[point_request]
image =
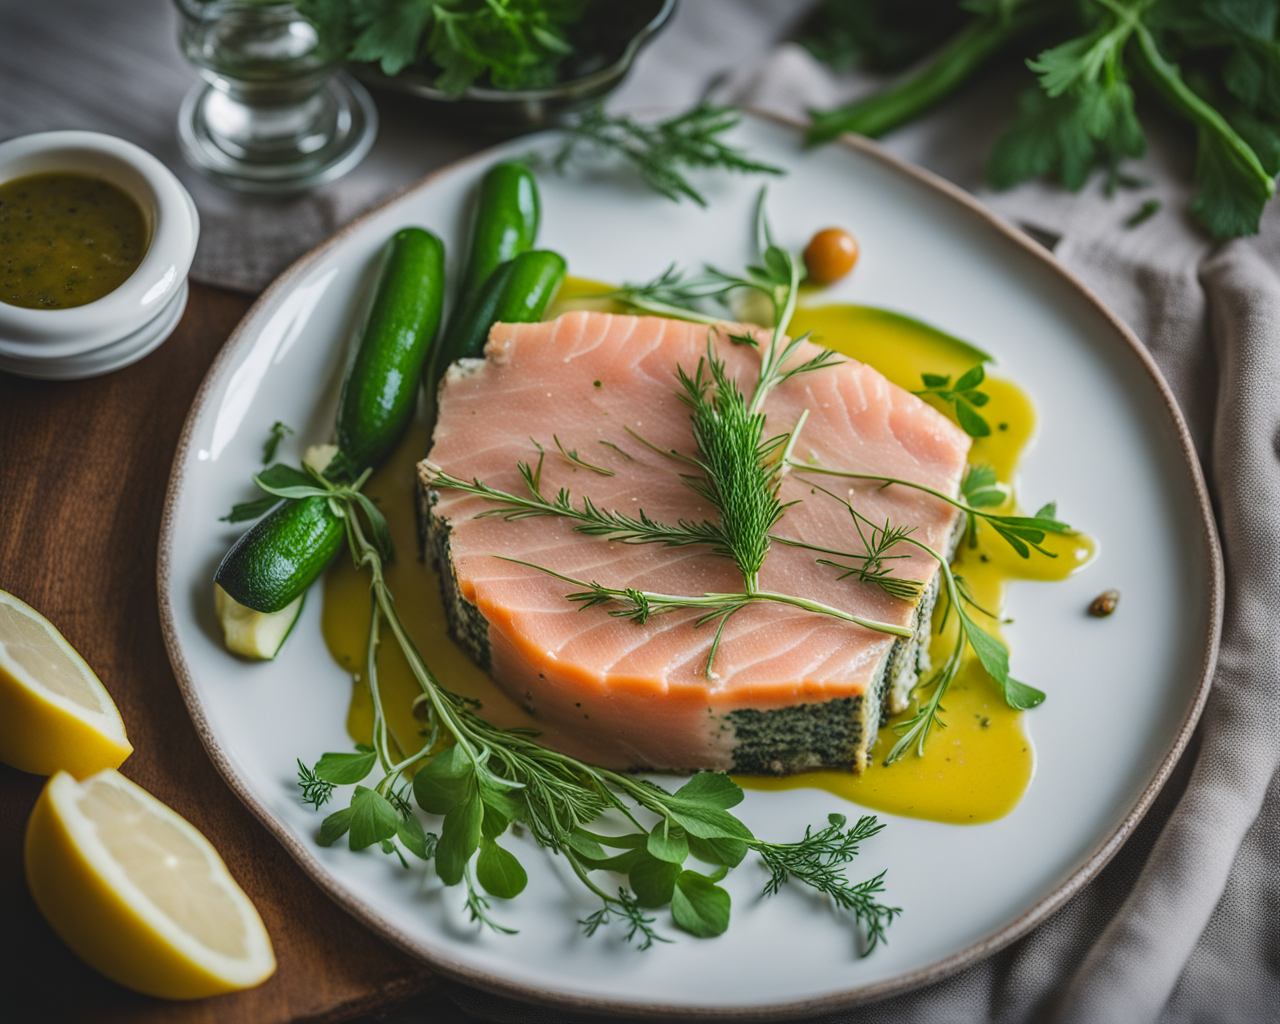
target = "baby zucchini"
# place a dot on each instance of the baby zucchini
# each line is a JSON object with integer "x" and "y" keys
{"x": 518, "y": 292}
{"x": 270, "y": 567}
{"x": 506, "y": 224}
{"x": 381, "y": 386}
{"x": 274, "y": 562}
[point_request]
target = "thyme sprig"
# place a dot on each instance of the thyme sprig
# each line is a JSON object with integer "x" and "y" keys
{"x": 589, "y": 517}
{"x": 1022, "y": 533}
{"x": 482, "y": 778}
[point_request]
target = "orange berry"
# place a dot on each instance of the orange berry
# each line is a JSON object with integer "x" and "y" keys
{"x": 830, "y": 254}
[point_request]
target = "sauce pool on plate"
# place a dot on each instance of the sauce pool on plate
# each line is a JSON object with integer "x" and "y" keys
{"x": 66, "y": 240}
{"x": 975, "y": 770}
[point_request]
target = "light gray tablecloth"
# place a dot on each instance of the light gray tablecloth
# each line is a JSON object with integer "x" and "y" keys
{"x": 1184, "y": 924}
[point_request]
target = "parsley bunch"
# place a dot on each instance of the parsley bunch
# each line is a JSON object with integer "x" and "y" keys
{"x": 507, "y": 44}
{"x": 1215, "y": 63}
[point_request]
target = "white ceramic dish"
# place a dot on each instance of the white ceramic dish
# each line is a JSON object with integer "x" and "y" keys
{"x": 1124, "y": 693}
{"x": 126, "y": 324}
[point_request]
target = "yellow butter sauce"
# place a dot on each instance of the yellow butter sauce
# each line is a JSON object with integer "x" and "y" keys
{"x": 974, "y": 770}
{"x": 978, "y": 767}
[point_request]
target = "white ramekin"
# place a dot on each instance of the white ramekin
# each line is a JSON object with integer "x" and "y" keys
{"x": 126, "y": 324}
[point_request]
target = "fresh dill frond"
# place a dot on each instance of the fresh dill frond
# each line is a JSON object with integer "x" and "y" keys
{"x": 818, "y": 860}
{"x": 664, "y": 150}
{"x": 633, "y": 916}
{"x": 315, "y": 790}
{"x": 739, "y": 478}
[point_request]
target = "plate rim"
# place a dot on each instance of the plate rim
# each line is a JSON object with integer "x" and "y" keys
{"x": 1093, "y": 863}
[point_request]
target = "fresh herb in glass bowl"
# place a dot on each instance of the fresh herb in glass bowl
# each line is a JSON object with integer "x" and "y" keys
{"x": 502, "y": 66}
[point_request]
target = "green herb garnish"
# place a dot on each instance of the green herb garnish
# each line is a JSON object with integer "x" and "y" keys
{"x": 1212, "y": 62}
{"x": 481, "y": 779}
{"x": 663, "y": 151}
{"x": 507, "y": 44}
{"x": 964, "y": 396}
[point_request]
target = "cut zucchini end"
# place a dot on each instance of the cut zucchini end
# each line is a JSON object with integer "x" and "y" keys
{"x": 254, "y": 634}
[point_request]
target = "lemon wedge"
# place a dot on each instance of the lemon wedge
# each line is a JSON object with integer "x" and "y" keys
{"x": 54, "y": 712}
{"x": 138, "y": 893}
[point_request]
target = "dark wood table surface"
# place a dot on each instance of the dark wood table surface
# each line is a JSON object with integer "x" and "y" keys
{"x": 83, "y": 471}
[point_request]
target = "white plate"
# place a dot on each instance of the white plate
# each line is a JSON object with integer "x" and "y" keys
{"x": 1123, "y": 693}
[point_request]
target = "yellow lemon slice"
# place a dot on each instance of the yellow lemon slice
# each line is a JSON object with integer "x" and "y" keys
{"x": 54, "y": 713}
{"x": 138, "y": 893}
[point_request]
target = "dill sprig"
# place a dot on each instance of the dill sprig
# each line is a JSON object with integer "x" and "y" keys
{"x": 482, "y": 778}
{"x": 315, "y": 790}
{"x": 739, "y": 479}
{"x": 877, "y": 541}
{"x": 663, "y": 150}
{"x": 631, "y": 913}
{"x": 817, "y": 861}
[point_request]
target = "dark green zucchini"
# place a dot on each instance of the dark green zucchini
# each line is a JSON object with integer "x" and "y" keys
{"x": 506, "y": 224}
{"x": 281, "y": 554}
{"x": 381, "y": 387}
{"x": 518, "y": 292}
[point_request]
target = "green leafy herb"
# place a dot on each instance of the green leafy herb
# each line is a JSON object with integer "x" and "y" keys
{"x": 663, "y": 151}
{"x": 1215, "y": 63}
{"x": 964, "y": 396}
{"x": 995, "y": 24}
{"x": 507, "y": 44}
{"x": 878, "y": 541}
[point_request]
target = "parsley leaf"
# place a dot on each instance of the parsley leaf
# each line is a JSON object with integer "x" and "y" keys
{"x": 505, "y": 44}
